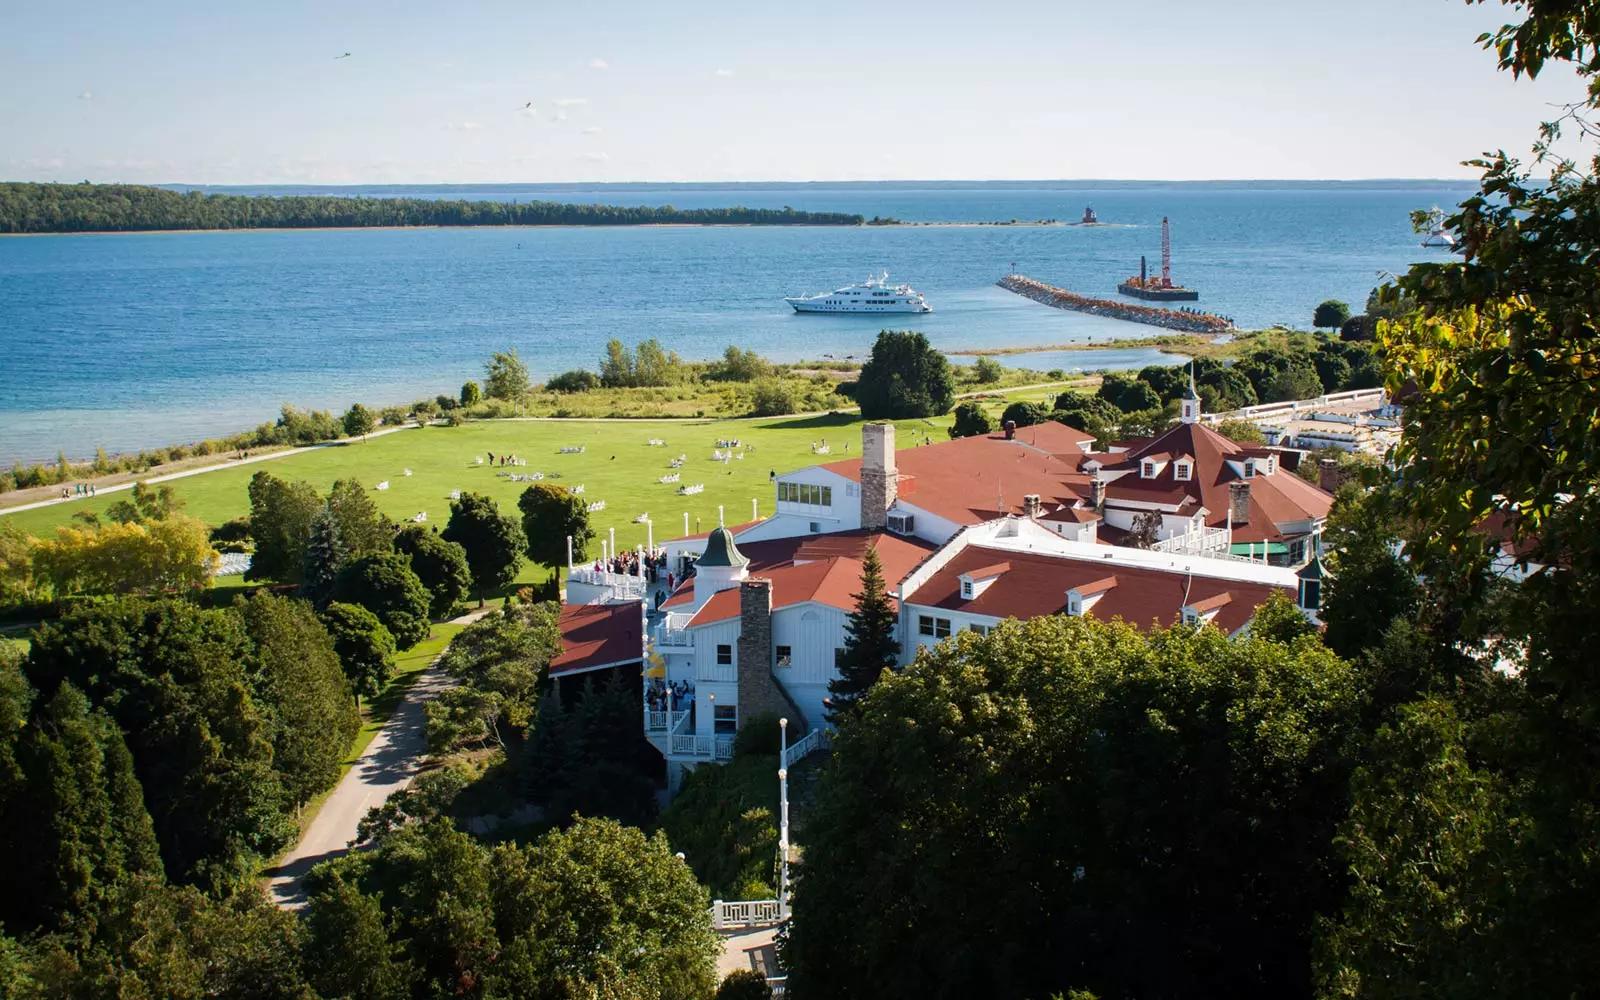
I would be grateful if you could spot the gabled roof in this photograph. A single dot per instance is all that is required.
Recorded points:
(1037, 585)
(1281, 498)
(833, 582)
(975, 479)
(596, 636)
(1071, 512)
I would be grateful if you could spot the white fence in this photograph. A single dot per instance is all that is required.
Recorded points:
(660, 722)
(1205, 542)
(746, 913)
(709, 747)
(1373, 397)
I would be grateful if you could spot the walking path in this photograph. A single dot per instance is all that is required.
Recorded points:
(230, 464)
(391, 760)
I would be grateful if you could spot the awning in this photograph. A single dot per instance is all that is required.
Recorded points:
(656, 671)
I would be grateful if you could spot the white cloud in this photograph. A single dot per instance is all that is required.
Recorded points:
(599, 64)
(592, 130)
(561, 116)
(570, 102)
(529, 112)
(87, 95)
(724, 72)
(596, 157)
(463, 127)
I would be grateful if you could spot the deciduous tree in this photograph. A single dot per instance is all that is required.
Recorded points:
(550, 514)
(494, 543)
(1330, 315)
(904, 377)
(385, 585)
(358, 421)
(971, 420)
(280, 522)
(440, 565)
(364, 646)
(506, 377)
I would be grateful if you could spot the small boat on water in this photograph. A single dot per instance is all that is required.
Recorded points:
(875, 295)
(1438, 235)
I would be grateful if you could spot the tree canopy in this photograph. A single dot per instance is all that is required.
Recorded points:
(904, 377)
(550, 515)
(440, 565)
(385, 585)
(493, 542)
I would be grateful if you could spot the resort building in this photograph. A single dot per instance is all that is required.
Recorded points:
(1185, 527)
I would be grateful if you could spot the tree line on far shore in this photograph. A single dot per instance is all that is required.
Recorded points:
(85, 208)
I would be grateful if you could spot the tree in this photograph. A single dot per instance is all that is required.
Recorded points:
(1357, 328)
(1145, 530)
(385, 585)
(987, 370)
(971, 420)
(1022, 414)
(550, 514)
(617, 367)
(1089, 414)
(506, 377)
(146, 504)
(1169, 381)
(1241, 432)
(124, 558)
(303, 692)
(493, 542)
(1137, 396)
(363, 530)
(904, 377)
(739, 366)
(1294, 382)
(592, 758)
(653, 366)
(471, 395)
(325, 557)
(348, 949)
(1330, 315)
(724, 820)
(280, 522)
(1233, 389)
(744, 984)
(364, 646)
(980, 817)
(1369, 586)
(358, 421)
(173, 678)
(440, 565)
(870, 646)
(500, 661)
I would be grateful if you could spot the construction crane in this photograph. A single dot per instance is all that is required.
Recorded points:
(1163, 290)
(1166, 253)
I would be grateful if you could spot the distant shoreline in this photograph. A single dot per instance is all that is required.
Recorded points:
(352, 229)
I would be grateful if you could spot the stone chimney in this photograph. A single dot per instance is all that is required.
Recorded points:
(1032, 506)
(1239, 501)
(759, 691)
(880, 480)
(1097, 495)
(1329, 476)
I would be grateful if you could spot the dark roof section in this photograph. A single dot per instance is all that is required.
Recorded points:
(720, 550)
(596, 636)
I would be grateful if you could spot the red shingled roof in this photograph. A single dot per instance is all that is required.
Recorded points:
(832, 581)
(966, 479)
(595, 636)
(1037, 585)
(1276, 499)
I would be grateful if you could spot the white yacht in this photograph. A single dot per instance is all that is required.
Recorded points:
(875, 295)
(1438, 235)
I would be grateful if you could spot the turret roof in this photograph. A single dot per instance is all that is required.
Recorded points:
(720, 550)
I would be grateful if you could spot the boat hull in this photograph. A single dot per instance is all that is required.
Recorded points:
(803, 306)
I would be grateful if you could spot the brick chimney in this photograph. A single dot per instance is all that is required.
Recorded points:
(880, 480)
(1329, 476)
(1032, 506)
(759, 691)
(1097, 495)
(1239, 501)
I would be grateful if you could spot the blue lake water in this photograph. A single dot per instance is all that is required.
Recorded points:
(132, 340)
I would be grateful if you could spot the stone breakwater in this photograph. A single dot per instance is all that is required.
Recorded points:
(1171, 319)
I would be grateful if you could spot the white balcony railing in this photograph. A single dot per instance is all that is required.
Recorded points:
(746, 913)
(1212, 542)
(706, 747)
(661, 722)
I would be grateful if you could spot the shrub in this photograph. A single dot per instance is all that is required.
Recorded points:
(971, 420)
(771, 397)
(470, 393)
(577, 380)
(1024, 414)
(744, 984)
(987, 370)
(758, 735)
(445, 402)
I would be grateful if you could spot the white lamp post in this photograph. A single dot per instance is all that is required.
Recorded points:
(569, 555)
(686, 523)
(755, 511)
(783, 819)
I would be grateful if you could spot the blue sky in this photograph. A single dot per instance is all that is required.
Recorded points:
(236, 93)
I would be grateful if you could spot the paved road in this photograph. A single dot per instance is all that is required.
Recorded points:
(748, 948)
(388, 765)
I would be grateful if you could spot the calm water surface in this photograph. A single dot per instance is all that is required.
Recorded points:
(132, 340)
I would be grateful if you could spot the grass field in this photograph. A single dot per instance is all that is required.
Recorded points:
(618, 466)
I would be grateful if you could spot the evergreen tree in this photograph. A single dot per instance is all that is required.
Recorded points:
(870, 646)
(281, 513)
(348, 952)
(325, 556)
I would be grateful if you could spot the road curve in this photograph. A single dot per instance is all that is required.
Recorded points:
(389, 763)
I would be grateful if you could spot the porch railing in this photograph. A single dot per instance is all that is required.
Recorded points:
(746, 913)
(709, 747)
(660, 722)
(817, 739)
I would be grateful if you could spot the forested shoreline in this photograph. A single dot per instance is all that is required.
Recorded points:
(111, 208)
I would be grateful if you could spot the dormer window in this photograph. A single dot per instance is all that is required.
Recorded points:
(966, 588)
(1249, 468)
(1147, 470)
(1190, 616)
(1074, 605)
(1181, 471)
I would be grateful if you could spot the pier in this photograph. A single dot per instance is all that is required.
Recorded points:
(1170, 319)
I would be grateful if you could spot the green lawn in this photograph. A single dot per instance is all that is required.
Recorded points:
(618, 467)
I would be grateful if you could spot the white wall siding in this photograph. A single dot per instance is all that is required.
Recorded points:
(812, 632)
(843, 514)
(960, 621)
(706, 640)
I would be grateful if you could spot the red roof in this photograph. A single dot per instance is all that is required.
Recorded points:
(1277, 499)
(821, 568)
(1071, 512)
(594, 636)
(975, 479)
(1037, 585)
